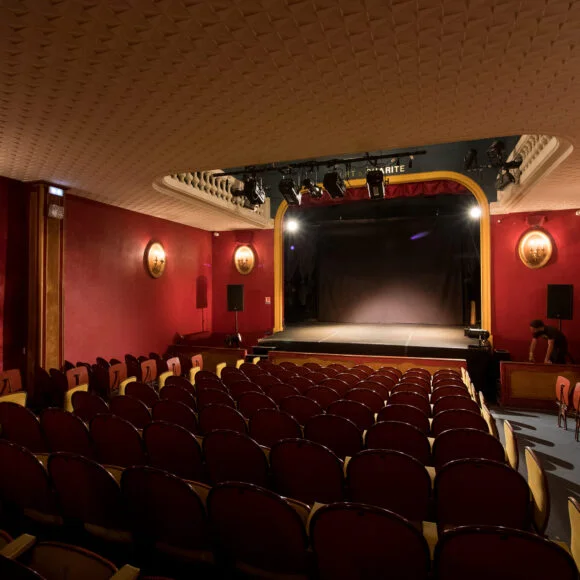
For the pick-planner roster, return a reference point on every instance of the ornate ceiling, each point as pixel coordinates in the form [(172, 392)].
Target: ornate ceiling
[(106, 96)]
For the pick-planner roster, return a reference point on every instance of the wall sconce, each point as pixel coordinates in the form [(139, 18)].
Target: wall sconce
[(155, 259), (244, 259), (535, 248)]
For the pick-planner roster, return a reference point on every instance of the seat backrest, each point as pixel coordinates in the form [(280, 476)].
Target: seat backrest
[(506, 554), (455, 444), (538, 484), (391, 480), (340, 435), (413, 399), (148, 370), (563, 389), (410, 388), (146, 394), (163, 508), (449, 392), (511, 445), (64, 431), (301, 408), (337, 367), (239, 388), (117, 374), (358, 413), (324, 396), (481, 492), (176, 413), (174, 449), (457, 418), (268, 426), (264, 381), (362, 541), (406, 414), (258, 528), (318, 376), (19, 425), (182, 382), (307, 471), (250, 403), (454, 402), (313, 366), (130, 409), (208, 396), (379, 388), (88, 405), (179, 394), (336, 384), (116, 441), (349, 378), (77, 376), (576, 399), (367, 397), (574, 514), (216, 417), (174, 365), (387, 381), (281, 390), (399, 436), (232, 456)]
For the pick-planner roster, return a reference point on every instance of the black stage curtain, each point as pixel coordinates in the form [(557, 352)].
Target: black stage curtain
[(405, 270)]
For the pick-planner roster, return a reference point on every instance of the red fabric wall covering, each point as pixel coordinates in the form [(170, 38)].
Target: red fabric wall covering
[(112, 306), (258, 316), (519, 294)]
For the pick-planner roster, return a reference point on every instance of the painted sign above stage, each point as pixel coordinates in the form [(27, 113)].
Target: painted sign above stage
[(393, 169)]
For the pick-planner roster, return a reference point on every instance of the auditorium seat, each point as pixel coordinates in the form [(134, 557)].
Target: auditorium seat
[(538, 484), (454, 402), (265, 382), (300, 384), (511, 445), (330, 373), (307, 471), (19, 425), (387, 381), (410, 388), (398, 436), (483, 553), (372, 385), (239, 388), (340, 435), (349, 378), (448, 382), (574, 515), (477, 492), (425, 384), (441, 392), (302, 371), (419, 371), (130, 409), (231, 456), (313, 366), (367, 397), (338, 367), (203, 376), (252, 370), (116, 441), (89, 494), (287, 364), (178, 394), (282, 390), (268, 426), (455, 419), (455, 444), (25, 485), (176, 413), (300, 407), (148, 370), (358, 413), (323, 395), (358, 542), (88, 405), (318, 376), (207, 396), (216, 417), (410, 398), (364, 368), (258, 531), (563, 400), (182, 382), (391, 480), (250, 403), (392, 371), (283, 374), (144, 393), (336, 384), (405, 414), (231, 375), (445, 373), (64, 431)]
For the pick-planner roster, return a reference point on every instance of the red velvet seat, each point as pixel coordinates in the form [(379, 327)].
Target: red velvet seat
[(230, 375), (181, 382), (265, 364), (231, 456), (457, 419), (340, 435), (281, 391), (448, 382), (203, 376), (449, 392), (489, 552), (397, 436), (455, 444), (406, 414), (146, 394), (329, 372), (174, 449), (64, 431), (394, 372), (419, 371), (240, 388), (446, 373), (313, 366), (265, 382), (336, 384), (301, 408), (250, 403), (179, 395), (391, 480), (251, 370), (475, 492), (367, 397), (288, 365), (455, 402), (387, 381), (411, 398), (358, 413), (207, 396), (176, 413), (377, 387), (323, 395), (217, 417), (307, 471), (268, 426), (88, 405), (349, 378), (302, 371), (117, 442), (283, 374), (337, 367), (19, 425), (318, 376), (411, 388), (301, 384), (359, 542), (132, 410), (363, 368), (258, 530)]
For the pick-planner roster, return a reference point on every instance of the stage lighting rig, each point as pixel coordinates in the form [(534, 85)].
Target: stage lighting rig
[(481, 335), (497, 158), (289, 190), (254, 191), (334, 184), (312, 188), (376, 183)]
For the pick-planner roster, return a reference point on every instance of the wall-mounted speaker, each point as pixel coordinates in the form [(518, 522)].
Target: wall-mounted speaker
[(235, 297), (560, 301)]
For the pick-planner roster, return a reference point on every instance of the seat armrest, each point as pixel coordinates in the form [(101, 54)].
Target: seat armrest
[(17, 547)]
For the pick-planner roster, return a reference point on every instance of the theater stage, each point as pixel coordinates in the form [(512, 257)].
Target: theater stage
[(408, 340)]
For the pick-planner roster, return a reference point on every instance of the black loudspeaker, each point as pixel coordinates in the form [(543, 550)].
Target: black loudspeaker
[(560, 299), (235, 297)]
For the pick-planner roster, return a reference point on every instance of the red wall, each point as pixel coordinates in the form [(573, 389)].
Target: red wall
[(112, 306), (519, 293), (257, 317)]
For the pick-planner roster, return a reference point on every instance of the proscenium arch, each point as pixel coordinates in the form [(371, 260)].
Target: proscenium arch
[(484, 238)]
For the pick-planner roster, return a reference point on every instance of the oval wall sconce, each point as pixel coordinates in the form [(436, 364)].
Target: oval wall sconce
[(244, 259), (535, 248), (155, 259)]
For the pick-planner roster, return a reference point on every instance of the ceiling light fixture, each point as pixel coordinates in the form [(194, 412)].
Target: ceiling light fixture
[(254, 191), (376, 183), (334, 184), (289, 190), (314, 190)]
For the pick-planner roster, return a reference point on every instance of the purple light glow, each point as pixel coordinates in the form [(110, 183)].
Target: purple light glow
[(292, 248), (420, 235)]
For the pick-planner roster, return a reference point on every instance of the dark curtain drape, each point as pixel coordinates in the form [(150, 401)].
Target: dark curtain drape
[(407, 270)]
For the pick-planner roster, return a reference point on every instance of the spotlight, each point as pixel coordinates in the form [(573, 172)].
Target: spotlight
[(475, 212), (288, 189), (376, 184), (410, 164), (254, 191), (292, 226), (313, 190), (481, 335), (503, 179), (334, 184), (496, 153), (470, 160)]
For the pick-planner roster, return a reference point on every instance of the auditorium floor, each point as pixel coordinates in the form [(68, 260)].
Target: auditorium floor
[(559, 454)]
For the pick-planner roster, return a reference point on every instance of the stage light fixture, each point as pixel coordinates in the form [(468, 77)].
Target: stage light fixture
[(312, 188), (334, 184), (289, 191), (292, 226), (496, 153), (376, 184), (475, 212), (481, 335), (410, 164), (503, 179), (254, 191), (470, 160)]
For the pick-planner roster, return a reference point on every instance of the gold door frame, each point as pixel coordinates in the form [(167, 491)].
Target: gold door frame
[(484, 238)]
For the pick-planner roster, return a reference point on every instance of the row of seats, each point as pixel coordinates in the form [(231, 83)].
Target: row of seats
[(567, 398)]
